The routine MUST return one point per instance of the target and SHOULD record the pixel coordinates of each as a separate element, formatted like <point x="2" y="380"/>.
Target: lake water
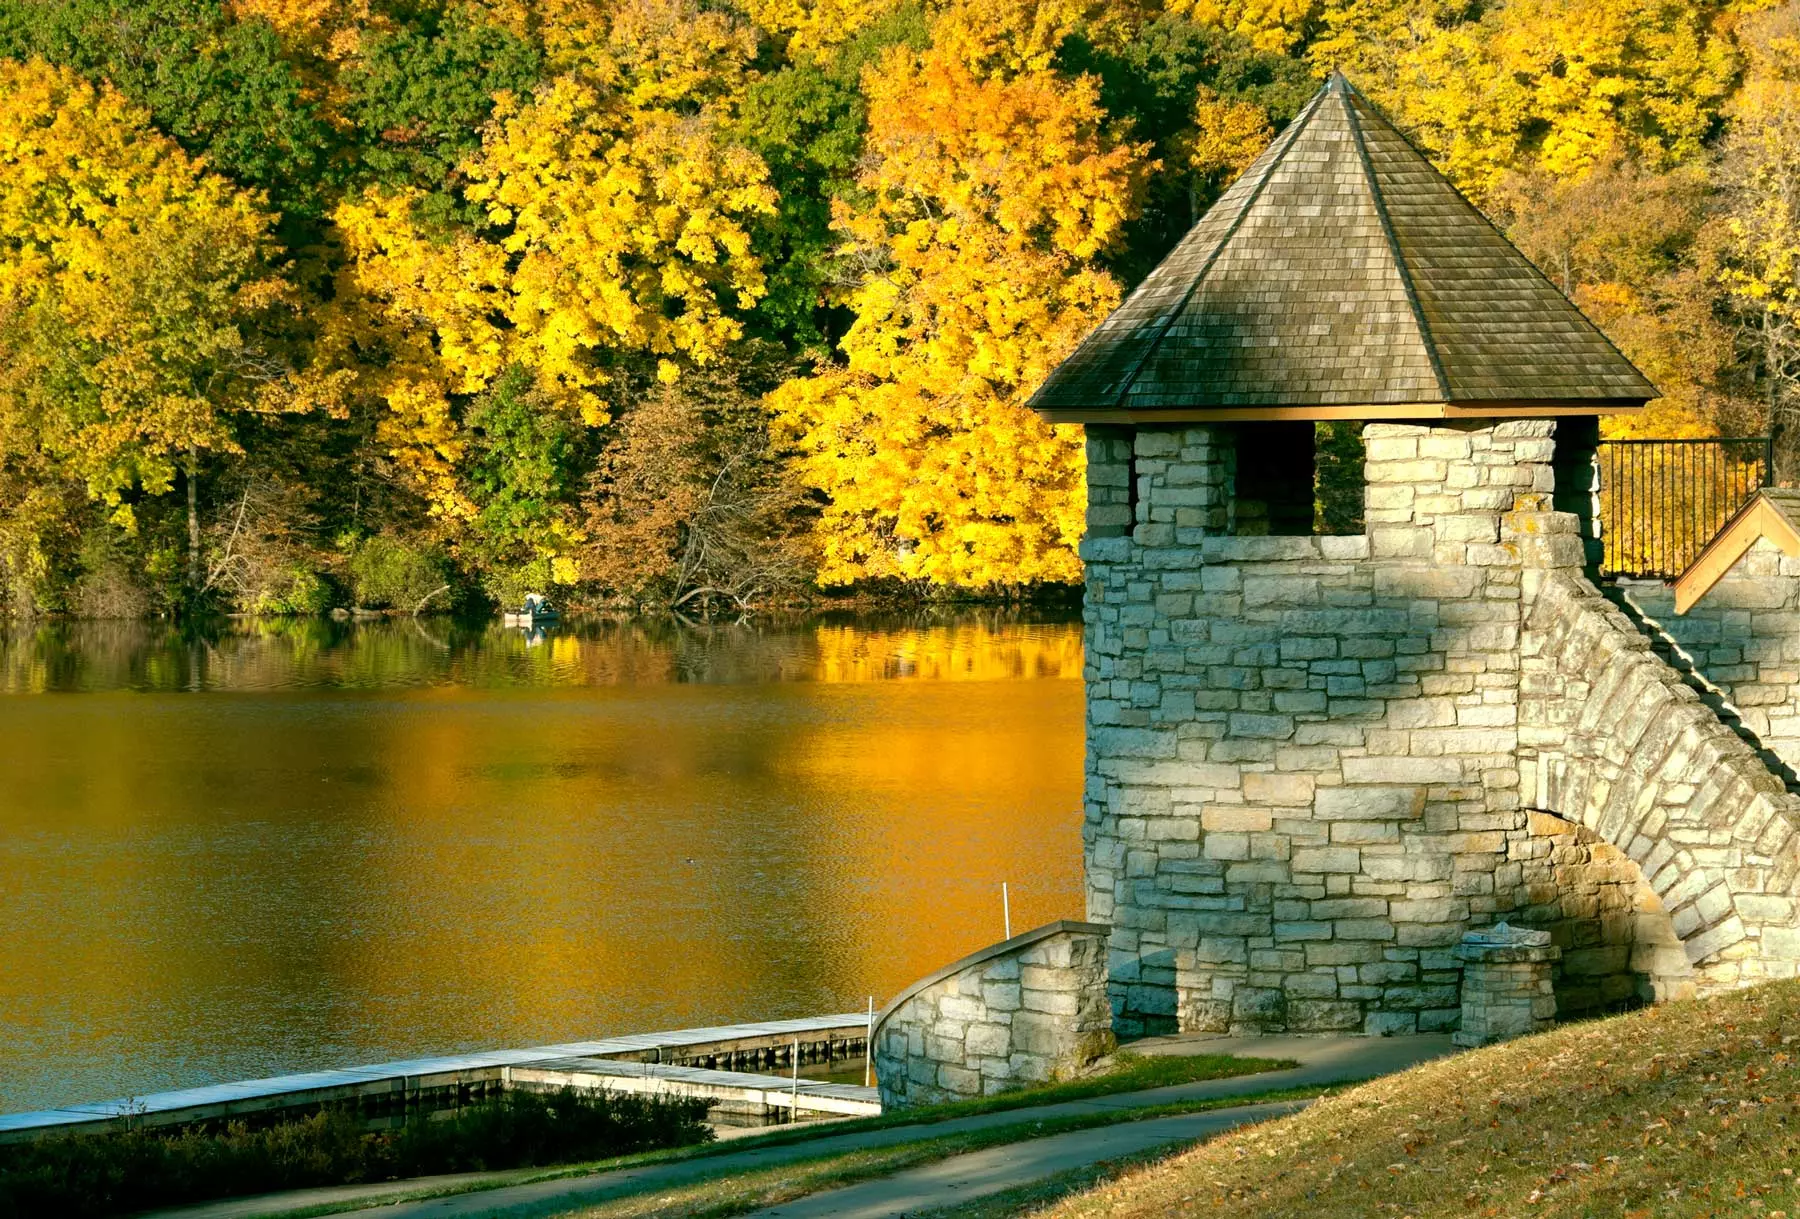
<point x="301" y="845"/>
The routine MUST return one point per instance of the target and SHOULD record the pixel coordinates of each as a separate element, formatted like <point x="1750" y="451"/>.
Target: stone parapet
<point x="1027" y="1010"/>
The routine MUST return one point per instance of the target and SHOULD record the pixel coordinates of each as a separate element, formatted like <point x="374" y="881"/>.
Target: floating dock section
<point x="736" y="1065"/>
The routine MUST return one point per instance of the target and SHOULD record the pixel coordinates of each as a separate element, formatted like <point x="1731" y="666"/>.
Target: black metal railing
<point x="1661" y="501"/>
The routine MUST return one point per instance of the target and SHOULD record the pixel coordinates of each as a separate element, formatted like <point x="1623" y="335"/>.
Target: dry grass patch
<point x="1687" y="1110"/>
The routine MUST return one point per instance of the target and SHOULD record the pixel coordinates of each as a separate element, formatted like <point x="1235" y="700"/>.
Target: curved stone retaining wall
<point x="1030" y="1009"/>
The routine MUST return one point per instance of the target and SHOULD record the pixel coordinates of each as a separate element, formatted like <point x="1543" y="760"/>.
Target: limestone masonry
<point x="1506" y="987"/>
<point x="1313" y="761"/>
<point x="1744" y="640"/>
<point x="1028" y="1010"/>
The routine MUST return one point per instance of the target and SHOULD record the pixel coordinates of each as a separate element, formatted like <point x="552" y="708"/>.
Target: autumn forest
<point x="718" y="303"/>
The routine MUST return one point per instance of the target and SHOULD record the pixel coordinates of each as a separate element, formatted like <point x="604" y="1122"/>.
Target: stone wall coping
<point x="1024" y="939"/>
<point x="1504" y="934"/>
<point x="1505" y="954"/>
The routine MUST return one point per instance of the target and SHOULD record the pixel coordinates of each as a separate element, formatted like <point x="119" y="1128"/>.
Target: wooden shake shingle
<point x="1341" y="276"/>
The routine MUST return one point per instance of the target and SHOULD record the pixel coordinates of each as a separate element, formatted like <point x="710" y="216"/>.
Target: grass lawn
<point x="740" y="1193"/>
<point x="1030" y="1199"/>
<point x="1687" y="1110"/>
<point x="1128" y="1073"/>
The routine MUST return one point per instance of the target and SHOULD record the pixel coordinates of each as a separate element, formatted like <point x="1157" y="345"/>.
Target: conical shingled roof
<point x="1342" y="277"/>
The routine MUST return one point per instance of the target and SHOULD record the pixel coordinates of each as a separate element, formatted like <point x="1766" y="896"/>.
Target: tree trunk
<point x="1784" y="461"/>
<point x="193" y="521"/>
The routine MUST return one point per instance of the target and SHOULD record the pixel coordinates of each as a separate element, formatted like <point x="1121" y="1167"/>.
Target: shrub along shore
<point x="88" y="1176"/>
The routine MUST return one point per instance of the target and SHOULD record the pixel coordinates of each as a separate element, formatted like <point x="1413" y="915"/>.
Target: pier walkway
<point x="694" y="1062"/>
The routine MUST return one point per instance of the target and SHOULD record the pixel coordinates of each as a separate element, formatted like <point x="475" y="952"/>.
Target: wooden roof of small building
<point x="1772" y="513"/>
<point x="1341" y="276"/>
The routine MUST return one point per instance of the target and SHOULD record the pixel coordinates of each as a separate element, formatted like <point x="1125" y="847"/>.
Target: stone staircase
<point x="1666" y="649"/>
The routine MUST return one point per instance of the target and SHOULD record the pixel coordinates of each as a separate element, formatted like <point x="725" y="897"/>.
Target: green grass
<point x="1676" y="1112"/>
<point x="1129" y="1073"/>
<point x="743" y="1192"/>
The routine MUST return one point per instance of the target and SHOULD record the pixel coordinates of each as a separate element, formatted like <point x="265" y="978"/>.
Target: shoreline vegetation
<point x="97" y="1175"/>
<point x="705" y="306"/>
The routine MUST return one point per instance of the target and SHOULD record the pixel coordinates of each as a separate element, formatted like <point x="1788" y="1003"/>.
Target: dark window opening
<point x="1299" y="478"/>
<point x="1339" y="480"/>
<point x="1577" y="474"/>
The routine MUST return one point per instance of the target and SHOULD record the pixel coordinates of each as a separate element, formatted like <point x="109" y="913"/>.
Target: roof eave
<point x="1762" y="516"/>
<point x="1368" y="412"/>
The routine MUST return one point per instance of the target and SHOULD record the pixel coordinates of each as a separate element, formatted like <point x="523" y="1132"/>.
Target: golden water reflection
<point x="269" y="850"/>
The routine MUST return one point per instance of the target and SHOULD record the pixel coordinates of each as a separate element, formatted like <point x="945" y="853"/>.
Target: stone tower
<point x="1315" y="762"/>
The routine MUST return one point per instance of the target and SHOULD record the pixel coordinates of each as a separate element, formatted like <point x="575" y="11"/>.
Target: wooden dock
<point x="737" y="1092"/>
<point x="681" y="1061"/>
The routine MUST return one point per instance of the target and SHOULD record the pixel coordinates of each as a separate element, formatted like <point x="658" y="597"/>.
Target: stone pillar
<point x="1506" y="988"/>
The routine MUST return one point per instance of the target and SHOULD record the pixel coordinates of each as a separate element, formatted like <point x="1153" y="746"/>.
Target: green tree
<point x="806" y="121"/>
<point x="1153" y="80"/>
<point x="220" y="87"/>
<point x="523" y="470"/>
<point x="418" y="96"/>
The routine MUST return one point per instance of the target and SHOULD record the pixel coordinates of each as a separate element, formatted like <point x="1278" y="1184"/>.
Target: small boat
<point x="537" y="612"/>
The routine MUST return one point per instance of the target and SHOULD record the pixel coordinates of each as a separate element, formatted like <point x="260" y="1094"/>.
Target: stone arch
<point x="1618" y="947"/>
<point x="1614" y="740"/>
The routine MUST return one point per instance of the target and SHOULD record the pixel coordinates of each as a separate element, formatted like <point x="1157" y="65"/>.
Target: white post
<point x="1006" y="909"/>
<point x="794" y="1103"/>
<point x="869" y="1048"/>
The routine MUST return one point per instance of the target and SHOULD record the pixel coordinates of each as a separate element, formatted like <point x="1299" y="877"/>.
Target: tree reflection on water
<point x="371" y="840"/>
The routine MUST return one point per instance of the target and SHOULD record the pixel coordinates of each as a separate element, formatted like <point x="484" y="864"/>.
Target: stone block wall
<point x="1302" y="786"/>
<point x="1618" y="947"/>
<point x="1031" y="1009"/>
<point x="1743" y="637"/>
<point x="1614" y="739"/>
<point x="1312" y="760"/>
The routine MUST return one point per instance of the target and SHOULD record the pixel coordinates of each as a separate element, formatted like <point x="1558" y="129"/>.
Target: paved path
<point x="1322" y="1061"/>
<point x="995" y="1170"/>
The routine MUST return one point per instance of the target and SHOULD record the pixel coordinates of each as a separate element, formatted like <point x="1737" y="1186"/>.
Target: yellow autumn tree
<point x="997" y="38"/>
<point x="814" y="26"/>
<point x="987" y="203"/>
<point x="615" y="225"/>
<point x="1270" y="25"/>
<point x="1556" y="85"/>
<point x="131" y="283"/>
<point x="1226" y="137"/>
<point x="1759" y="245"/>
